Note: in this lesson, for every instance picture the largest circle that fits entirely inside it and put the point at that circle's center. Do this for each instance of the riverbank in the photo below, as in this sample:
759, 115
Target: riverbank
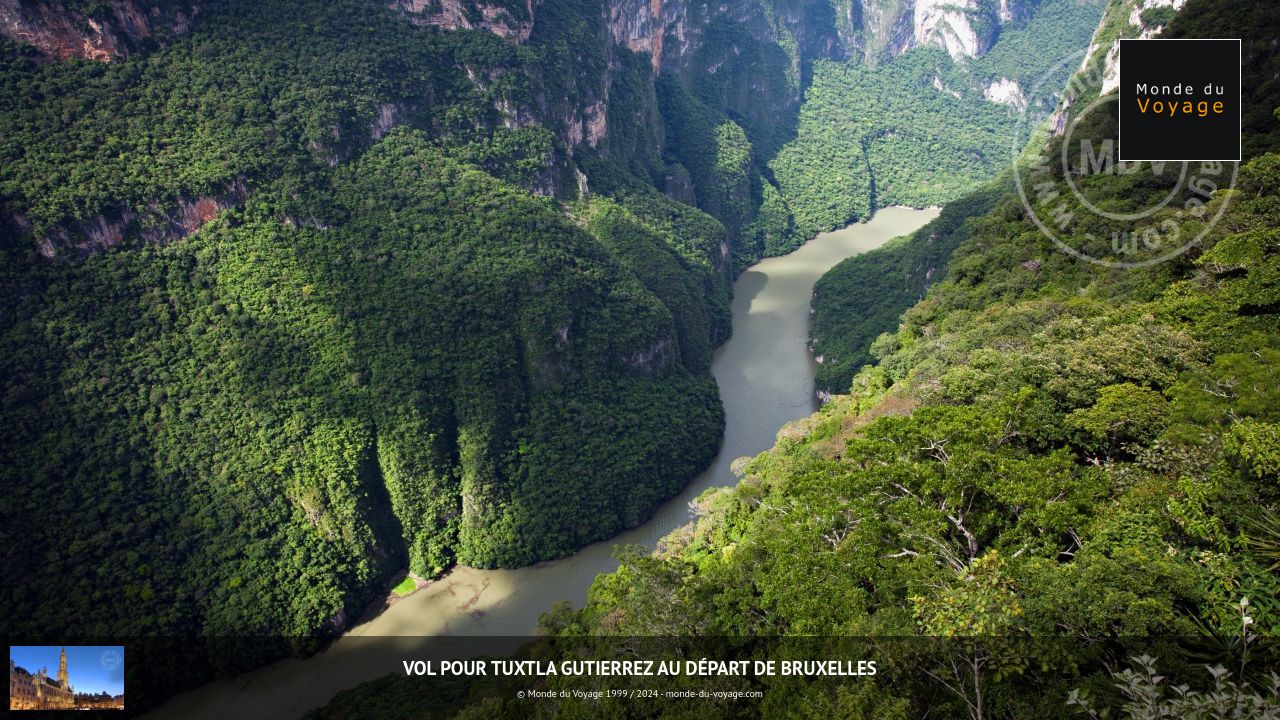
765, 374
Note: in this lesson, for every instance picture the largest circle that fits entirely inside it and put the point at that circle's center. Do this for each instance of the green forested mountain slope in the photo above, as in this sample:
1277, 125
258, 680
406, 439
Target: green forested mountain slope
1060, 468
321, 346
1046, 449
281, 314
862, 297
302, 293
249, 429
917, 130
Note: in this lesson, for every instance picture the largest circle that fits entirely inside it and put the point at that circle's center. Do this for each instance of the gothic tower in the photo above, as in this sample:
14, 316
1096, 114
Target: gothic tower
62, 670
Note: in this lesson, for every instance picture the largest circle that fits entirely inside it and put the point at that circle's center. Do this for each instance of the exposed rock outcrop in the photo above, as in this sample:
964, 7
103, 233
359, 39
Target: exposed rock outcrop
652, 360
108, 229
386, 119
883, 29
60, 33
1099, 72
949, 24
1006, 92
644, 26
508, 20
1145, 30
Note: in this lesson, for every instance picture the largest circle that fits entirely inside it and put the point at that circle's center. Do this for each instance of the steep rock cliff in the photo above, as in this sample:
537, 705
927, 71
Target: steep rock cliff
509, 20
1099, 71
364, 282
691, 96
63, 30
879, 30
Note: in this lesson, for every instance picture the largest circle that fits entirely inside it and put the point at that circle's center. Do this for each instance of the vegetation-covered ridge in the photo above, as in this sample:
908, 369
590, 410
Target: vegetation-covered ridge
405, 377
920, 130
1047, 449
1059, 467
305, 324
861, 298
278, 287
306, 294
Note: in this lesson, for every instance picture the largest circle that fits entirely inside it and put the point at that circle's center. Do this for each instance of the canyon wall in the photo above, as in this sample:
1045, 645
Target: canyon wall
62, 30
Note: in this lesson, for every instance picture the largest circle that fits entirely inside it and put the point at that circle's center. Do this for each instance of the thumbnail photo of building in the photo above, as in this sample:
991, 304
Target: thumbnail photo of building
36, 689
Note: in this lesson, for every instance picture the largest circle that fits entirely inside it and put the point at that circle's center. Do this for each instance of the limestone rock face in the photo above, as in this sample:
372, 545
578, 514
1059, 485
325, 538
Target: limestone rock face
59, 33
1100, 70
509, 20
167, 223
883, 29
754, 52
1006, 92
946, 23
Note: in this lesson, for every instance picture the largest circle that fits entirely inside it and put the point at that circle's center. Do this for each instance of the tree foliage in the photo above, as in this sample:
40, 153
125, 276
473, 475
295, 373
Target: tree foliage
383, 352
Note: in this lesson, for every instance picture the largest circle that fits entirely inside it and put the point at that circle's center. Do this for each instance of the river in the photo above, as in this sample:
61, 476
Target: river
765, 374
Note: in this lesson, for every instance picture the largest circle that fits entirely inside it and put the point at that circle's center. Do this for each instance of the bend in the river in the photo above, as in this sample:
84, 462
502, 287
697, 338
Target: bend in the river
765, 373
